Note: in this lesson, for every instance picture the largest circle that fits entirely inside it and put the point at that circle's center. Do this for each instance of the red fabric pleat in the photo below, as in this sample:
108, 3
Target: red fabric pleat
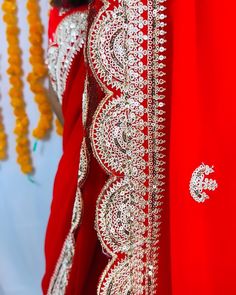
197, 243
66, 178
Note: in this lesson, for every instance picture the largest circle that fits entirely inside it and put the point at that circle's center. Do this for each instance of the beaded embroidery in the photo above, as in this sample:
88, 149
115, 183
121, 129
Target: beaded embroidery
68, 40
128, 140
199, 183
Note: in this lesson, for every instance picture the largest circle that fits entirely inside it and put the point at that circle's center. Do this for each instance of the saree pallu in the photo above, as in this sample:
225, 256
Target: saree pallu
161, 105
202, 147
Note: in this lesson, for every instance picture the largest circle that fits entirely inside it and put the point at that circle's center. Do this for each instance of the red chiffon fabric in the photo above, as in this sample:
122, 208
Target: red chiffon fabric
197, 244
87, 251
203, 112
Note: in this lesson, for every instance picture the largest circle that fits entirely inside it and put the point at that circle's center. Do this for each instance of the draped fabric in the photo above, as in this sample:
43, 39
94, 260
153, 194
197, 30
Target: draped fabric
202, 131
87, 249
160, 135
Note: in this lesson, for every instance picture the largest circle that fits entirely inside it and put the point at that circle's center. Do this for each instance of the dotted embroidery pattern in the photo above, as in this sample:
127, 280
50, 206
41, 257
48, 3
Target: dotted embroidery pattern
68, 40
127, 136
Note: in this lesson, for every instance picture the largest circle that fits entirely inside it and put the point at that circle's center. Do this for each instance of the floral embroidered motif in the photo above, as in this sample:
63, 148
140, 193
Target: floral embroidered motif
68, 40
60, 277
199, 183
128, 140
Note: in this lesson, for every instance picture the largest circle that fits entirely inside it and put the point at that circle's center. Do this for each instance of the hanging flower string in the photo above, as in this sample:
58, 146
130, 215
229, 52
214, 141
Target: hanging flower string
15, 73
3, 139
59, 127
39, 70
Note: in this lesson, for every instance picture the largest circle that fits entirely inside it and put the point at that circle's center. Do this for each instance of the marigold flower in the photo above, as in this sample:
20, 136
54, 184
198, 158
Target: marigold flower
27, 169
39, 70
3, 155
15, 73
59, 127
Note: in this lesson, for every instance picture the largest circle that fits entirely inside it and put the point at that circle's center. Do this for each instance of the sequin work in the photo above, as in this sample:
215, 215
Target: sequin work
199, 183
68, 40
126, 53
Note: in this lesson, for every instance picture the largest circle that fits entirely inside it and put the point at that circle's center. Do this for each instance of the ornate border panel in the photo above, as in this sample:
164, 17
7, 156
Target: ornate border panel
126, 53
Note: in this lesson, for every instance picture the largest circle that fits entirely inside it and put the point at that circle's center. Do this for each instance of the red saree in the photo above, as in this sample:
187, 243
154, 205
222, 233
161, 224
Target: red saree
160, 105
61, 243
203, 112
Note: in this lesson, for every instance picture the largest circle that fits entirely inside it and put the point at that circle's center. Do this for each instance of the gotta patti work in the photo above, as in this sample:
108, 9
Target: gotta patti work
126, 53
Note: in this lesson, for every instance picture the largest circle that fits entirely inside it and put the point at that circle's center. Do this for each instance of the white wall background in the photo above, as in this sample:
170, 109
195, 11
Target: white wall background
24, 206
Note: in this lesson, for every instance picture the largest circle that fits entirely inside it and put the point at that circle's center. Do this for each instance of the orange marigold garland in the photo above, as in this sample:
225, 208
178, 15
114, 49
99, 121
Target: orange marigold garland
39, 70
15, 73
59, 127
3, 139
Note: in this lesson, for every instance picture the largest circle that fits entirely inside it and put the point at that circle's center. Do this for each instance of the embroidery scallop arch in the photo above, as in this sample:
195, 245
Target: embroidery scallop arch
128, 138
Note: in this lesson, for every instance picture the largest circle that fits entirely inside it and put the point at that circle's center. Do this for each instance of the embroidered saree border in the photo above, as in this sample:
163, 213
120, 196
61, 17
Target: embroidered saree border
68, 40
59, 279
126, 53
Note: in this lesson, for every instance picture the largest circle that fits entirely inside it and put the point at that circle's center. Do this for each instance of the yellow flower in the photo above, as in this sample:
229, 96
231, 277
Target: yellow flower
14, 70
19, 112
22, 141
12, 30
24, 161
59, 127
3, 155
39, 70
27, 169
10, 19
9, 7
15, 73
39, 133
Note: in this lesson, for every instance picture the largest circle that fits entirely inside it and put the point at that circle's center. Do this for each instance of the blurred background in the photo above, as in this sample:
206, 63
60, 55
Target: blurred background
24, 201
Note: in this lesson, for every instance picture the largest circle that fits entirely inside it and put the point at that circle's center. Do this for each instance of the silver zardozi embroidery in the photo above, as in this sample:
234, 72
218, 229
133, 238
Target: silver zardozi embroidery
126, 54
68, 40
199, 183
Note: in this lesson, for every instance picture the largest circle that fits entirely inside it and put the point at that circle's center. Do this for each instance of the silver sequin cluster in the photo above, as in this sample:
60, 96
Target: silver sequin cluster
68, 40
128, 140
